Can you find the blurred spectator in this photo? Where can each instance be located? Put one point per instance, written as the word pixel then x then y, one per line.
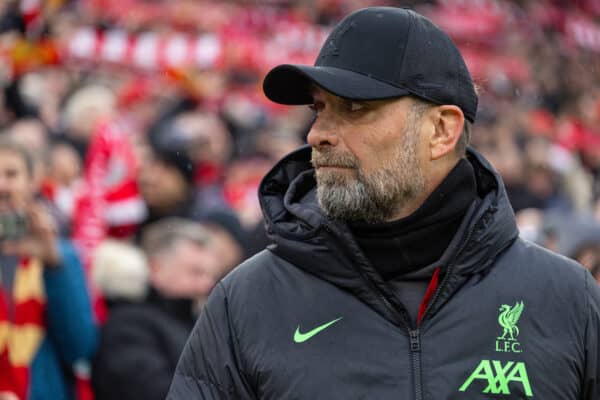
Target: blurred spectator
pixel 84 110
pixel 141 343
pixel 166 181
pixel 63 179
pixel 575 236
pixel 206 137
pixel 285 134
pixel 32 135
pixel 45 311
pixel 229 239
pixel 209 146
pixel 57 168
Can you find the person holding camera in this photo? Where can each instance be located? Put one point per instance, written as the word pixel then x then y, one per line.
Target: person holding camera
pixel 47 328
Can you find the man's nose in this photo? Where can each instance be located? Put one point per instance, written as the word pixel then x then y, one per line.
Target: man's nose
pixel 322 133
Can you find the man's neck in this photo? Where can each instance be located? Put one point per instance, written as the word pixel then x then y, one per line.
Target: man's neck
pixel 435 177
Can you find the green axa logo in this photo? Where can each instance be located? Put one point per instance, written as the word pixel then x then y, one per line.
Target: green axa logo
pixel 499 377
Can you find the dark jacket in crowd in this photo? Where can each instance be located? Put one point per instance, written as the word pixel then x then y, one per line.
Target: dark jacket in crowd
pixel 139 348
pixel 310 318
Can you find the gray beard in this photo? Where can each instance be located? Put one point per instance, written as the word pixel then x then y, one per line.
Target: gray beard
pixel 353 202
pixel 353 196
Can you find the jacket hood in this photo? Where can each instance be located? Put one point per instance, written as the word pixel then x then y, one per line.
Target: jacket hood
pixel 306 237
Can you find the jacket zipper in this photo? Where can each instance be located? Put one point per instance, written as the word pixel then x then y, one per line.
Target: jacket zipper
pixel 415 352
pixel 415 339
pixel 413 334
pixel 415 344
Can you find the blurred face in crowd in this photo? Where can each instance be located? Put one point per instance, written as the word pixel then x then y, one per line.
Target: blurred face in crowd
pixel 185 270
pixel 16 183
pixel 87 107
pixel 367 157
pixel 208 138
pixel 65 164
pixel 32 135
pixel 227 249
pixel 162 186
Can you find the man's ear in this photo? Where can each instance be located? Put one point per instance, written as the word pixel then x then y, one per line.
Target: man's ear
pixel 448 122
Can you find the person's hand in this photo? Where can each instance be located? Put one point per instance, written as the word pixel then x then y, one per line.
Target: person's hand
pixel 8 396
pixel 41 240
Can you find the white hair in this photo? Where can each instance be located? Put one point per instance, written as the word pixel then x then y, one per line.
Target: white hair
pixel 85 106
pixel 120 270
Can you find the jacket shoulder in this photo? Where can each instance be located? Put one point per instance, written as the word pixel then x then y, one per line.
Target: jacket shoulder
pixel 256 272
pixel 543 261
pixel 530 267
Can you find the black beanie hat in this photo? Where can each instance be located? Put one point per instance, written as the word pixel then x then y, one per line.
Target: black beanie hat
pixel 227 220
pixel 170 150
pixel 178 160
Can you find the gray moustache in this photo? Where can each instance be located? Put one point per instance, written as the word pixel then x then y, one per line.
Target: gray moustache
pixel 333 160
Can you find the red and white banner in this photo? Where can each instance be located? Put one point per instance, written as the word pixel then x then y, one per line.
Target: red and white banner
pixel 293 42
pixel 146 51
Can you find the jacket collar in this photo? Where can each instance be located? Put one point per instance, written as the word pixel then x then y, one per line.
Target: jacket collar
pixel 304 236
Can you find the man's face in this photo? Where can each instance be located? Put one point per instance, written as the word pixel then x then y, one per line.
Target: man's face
pixel 188 270
pixel 16 185
pixel 162 186
pixel 366 156
pixel 227 249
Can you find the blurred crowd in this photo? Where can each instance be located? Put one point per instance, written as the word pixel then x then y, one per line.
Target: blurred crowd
pixel 134 134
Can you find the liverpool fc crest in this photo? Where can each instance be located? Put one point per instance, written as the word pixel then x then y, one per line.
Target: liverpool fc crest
pixel 508 319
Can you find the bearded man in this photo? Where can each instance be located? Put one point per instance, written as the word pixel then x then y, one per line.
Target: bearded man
pixel 396 271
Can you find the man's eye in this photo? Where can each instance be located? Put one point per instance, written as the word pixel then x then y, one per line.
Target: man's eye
pixel 354 106
pixel 314 108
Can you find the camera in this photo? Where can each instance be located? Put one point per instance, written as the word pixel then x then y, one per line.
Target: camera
pixel 13 226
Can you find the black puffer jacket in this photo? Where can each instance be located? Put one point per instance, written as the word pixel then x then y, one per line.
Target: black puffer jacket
pixel 139 348
pixel 311 319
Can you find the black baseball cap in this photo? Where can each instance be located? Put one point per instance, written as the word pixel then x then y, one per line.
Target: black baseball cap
pixel 379 53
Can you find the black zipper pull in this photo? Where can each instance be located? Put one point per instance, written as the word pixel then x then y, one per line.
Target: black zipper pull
pixel 415 342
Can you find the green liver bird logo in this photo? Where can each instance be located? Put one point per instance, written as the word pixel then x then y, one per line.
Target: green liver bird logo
pixel 508 319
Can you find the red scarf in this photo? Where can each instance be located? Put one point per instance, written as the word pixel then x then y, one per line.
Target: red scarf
pixel 22 326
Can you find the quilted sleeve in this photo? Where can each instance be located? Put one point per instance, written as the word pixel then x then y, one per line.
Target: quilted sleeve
pixel 209 367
